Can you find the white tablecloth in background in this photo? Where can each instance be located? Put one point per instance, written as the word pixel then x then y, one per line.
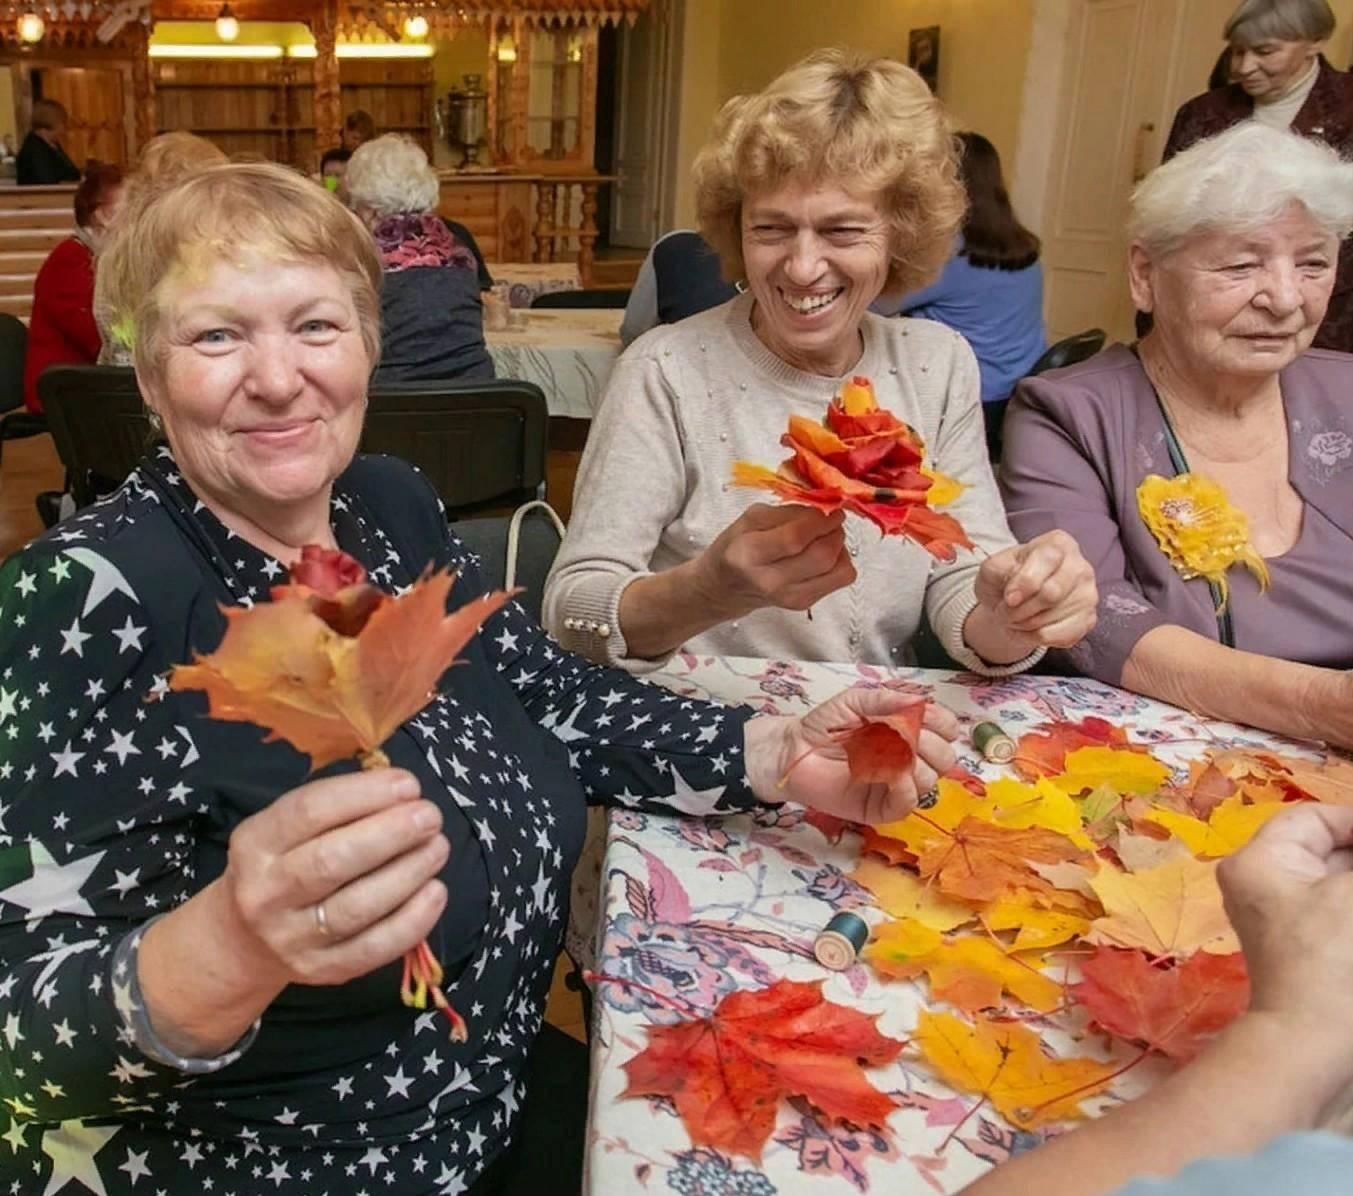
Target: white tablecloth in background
pixel 567 352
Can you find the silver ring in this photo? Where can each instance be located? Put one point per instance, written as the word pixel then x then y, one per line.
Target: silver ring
pixel 322 919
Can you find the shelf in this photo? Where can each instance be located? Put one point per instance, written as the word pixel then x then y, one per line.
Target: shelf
pixel 270 130
pixel 382 85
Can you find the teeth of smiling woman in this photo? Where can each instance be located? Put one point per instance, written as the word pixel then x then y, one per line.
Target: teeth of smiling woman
pixel 810 303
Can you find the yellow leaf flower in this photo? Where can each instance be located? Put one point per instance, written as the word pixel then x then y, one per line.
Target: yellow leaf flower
pixel 904 895
pixel 1127 772
pixel 1197 528
pixel 943 489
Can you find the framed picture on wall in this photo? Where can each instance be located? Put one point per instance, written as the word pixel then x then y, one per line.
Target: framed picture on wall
pixel 923 54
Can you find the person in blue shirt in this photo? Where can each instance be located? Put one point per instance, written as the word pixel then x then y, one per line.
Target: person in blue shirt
pixel 991 290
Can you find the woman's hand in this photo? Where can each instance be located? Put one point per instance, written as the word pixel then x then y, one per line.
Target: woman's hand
pixel 790 556
pixel 338 877
pixel 806 755
pixel 1036 595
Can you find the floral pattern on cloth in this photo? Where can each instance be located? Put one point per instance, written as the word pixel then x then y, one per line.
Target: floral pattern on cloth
pixel 696 908
pixel 409 239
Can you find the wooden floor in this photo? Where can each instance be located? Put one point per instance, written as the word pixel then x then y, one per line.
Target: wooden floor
pixel 31 465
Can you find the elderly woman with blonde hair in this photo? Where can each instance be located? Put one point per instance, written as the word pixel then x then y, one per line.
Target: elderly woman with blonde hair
pixel 1207 473
pixel 431 315
pixel 837 183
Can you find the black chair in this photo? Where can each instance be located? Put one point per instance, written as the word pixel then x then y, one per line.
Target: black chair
pixel 1073 349
pixel 592 298
pixel 481 444
pixel 16 421
pixel 537 545
pixel 99 425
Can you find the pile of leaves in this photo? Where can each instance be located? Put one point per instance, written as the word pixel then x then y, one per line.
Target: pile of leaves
pixel 1089 880
pixel 863 459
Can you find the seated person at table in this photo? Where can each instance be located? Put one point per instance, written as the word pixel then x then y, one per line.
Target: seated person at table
pixel 432 319
pixel 1269 1082
pixel 232 925
pixel 834 185
pixel 1208 473
pixel 680 276
pixel 332 167
pixel 61 330
pixel 358 129
pixel 991 290
pixel 42 159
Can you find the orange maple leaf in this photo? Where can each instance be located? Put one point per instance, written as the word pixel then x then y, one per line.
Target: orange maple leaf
pixel 331 695
pixel 1174 908
pixel 866 460
pixel 1004 1063
pixel 1173 1010
pixel 1043 751
pixel 727 1073
pixel 883 748
pixel 978 861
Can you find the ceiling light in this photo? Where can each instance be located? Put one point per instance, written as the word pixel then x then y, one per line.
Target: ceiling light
pixel 164 50
pixel 507 49
pixel 227 27
pixel 31 28
pixel 416 27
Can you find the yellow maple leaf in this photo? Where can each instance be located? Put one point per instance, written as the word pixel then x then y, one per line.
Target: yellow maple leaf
pixel 1231 825
pixel 1127 772
pixel 943 489
pixel 1172 909
pixel 1013 803
pixel 904 895
pixel 970 972
pixel 1004 1063
pixel 953 803
pixel 1038 928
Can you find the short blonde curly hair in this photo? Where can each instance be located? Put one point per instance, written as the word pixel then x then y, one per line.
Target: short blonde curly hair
pixel 869 125
pixel 227 213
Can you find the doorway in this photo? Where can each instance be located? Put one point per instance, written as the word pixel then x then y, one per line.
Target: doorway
pixel 93 97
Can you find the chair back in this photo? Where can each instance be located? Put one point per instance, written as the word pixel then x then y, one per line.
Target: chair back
pixel 535 547
pixel 1080 347
pixel 13 350
pixel 98 423
pixel 597 297
pixel 480 443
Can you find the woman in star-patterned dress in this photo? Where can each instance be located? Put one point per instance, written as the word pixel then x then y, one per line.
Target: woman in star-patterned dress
pixel 199 942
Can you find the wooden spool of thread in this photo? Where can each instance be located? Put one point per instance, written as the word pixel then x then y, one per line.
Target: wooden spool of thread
pixel 841 941
pixel 995 745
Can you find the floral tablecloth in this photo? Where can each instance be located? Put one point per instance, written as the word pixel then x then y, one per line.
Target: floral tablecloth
pixel 696 909
pixel 567 352
pixel 526 280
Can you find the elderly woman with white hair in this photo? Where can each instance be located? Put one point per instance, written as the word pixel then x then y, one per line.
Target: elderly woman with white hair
pixel 432 319
pixel 1207 472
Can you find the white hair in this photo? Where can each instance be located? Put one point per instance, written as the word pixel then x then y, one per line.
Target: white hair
pixel 1256 21
pixel 391 174
pixel 1239 181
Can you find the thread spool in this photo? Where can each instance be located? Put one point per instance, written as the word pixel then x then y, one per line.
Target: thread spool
pixel 993 743
pixel 840 942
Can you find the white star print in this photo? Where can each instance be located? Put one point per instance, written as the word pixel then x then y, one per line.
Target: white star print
pixel 72 1148
pixel 135 1166
pixel 129 637
pixel 27 584
pixel 53 888
pixel 107 578
pixel 66 760
pixel 73 639
pixel 399 1084
pixel 122 747
pixel 7 703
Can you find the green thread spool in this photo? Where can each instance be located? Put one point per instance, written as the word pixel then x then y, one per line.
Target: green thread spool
pixel 994 744
pixel 841 941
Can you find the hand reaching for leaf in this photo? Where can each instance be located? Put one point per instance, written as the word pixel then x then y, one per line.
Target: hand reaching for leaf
pixel 806 759
pixel 1036 595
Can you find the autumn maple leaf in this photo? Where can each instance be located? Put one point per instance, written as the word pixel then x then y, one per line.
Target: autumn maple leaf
pixel 283 666
pixel 728 1072
pixel 883 747
pixel 1042 752
pixel 865 460
pixel 1172 909
pixel 1173 1010
pixel 978 861
pixel 1004 1063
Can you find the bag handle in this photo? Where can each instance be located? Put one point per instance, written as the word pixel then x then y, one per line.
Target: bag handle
pixel 514 535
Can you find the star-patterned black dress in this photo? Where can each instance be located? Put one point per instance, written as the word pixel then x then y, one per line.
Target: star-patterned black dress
pixel 117 798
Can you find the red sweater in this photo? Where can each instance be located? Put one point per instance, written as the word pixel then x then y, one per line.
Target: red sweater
pixel 61 330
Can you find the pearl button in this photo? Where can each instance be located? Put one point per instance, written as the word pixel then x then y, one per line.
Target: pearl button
pixel 723 435
pixel 604 630
pixel 742 386
pixel 892 369
pixel 734 625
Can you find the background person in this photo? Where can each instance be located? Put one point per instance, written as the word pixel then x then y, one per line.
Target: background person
pixel 42 159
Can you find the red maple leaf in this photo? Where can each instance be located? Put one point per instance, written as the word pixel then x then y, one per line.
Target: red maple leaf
pixel 1173 1010
pixel 883 747
pixel 1042 752
pixel 728 1072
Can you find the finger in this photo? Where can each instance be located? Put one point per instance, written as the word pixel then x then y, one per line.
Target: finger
pixel 935 754
pixel 1299 847
pixel 379 944
pixel 323 865
pixel 801 595
pixel 794 538
pixel 873 702
pixel 1313 826
pixel 1040 563
pixel 943 721
pixel 312 809
pixel 888 803
pixel 361 902
pixel 1065 632
pixel 762 516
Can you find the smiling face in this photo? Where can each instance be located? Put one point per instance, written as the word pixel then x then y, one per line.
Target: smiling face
pixel 262 387
pixel 1267 70
pixel 816 257
pixel 1240 303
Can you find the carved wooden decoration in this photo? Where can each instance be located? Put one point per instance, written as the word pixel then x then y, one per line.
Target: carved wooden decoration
pixel 328 97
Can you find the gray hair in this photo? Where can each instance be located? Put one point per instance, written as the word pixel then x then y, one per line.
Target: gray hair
pixel 391 174
pixel 1256 21
pixel 1239 181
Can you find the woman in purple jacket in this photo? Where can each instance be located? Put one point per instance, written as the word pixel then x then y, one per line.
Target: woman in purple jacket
pixel 1207 472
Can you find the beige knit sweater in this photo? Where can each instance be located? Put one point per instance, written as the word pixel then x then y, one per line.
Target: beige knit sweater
pixel 687 400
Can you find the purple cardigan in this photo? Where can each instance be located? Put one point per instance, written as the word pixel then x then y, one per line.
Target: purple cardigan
pixel 1079 441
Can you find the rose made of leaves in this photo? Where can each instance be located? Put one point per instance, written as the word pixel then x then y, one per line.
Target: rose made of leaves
pixel 334 665
pixel 1197 528
pixel 864 459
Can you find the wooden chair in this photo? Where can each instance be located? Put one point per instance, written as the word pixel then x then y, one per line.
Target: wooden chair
pixel 587 298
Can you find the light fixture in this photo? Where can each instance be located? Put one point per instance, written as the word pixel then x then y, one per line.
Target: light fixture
pixel 416 27
pixel 227 27
pixel 507 48
pixel 365 50
pixel 575 48
pixel 165 50
pixel 31 28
